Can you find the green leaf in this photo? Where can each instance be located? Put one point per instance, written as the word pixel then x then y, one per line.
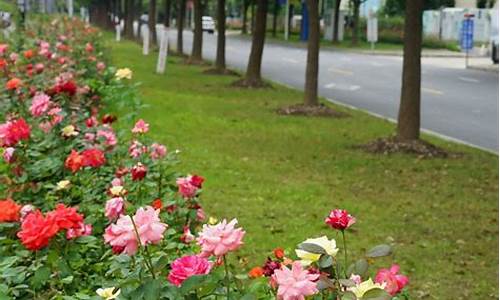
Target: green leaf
pixel 349 296
pixel 41 276
pixel 325 261
pixel 312 248
pixel 193 283
pixel 67 279
pixel 347 282
pixel 86 239
pixel 152 289
pixel 379 251
pixel 360 267
pixel 376 294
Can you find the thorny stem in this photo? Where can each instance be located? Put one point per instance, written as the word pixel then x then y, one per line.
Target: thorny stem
pixel 345 253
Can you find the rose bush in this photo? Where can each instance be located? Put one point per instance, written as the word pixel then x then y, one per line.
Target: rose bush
pixel 93 207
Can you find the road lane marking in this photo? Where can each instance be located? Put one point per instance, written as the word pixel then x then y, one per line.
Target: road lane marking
pixel 342 87
pixel 468 79
pixel 432 91
pixel 340 71
pixel 290 60
pixel 376 64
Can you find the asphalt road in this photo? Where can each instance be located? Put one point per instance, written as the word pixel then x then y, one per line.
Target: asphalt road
pixel 457 103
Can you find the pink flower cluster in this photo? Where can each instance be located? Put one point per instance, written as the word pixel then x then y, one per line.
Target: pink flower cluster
pixel 220 239
pixel 40 104
pixel 295 283
pixel 123 237
pixel 14 131
pixel 189 185
pixel 187 266
pixel 394 282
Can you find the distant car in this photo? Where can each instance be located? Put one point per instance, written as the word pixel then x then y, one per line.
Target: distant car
pixel 208 24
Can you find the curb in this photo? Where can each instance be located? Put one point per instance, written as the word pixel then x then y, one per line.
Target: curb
pixel 487 68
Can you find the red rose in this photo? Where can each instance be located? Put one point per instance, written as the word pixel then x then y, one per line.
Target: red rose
pixel 37 230
pixel 69 87
pixel 13 84
pixel 197 181
pixel 279 253
pixel 74 161
pixel 157 204
pixel 139 171
pixel 66 217
pixel 108 119
pixel 339 219
pixel 28 54
pixel 93 158
pixel 9 211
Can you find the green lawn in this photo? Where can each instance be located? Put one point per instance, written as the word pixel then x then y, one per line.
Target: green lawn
pixel 280 176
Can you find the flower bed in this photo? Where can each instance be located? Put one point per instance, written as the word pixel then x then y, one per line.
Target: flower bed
pixel 94 212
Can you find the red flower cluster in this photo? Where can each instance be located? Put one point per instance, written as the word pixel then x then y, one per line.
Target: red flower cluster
pixel 138 172
pixel 92 157
pixel 9 211
pixel 14 131
pixel 37 230
pixel 69 87
pixel 13 84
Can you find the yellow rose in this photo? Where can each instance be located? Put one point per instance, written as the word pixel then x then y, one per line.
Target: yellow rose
pixel 107 293
pixel 124 73
pixel 61 185
pixel 360 289
pixel 69 131
pixel 117 190
pixel 307 258
pixel 212 221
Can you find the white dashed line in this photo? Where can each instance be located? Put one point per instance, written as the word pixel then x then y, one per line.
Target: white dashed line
pixel 342 87
pixel 468 79
pixel 432 91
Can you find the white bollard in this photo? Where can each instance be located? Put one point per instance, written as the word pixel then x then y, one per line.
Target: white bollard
pixel 162 55
pixel 145 40
pixel 118 32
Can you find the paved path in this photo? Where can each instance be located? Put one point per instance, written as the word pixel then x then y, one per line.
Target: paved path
pixel 458 103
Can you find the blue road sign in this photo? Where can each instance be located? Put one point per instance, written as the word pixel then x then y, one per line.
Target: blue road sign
pixel 467 34
pixel 304 28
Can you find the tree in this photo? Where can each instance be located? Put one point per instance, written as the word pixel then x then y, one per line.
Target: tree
pixel 220 61
pixel 129 18
pixel 311 85
pixel 355 21
pixel 181 15
pixel 409 108
pixel 167 13
pixel 198 33
pixel 244 29
pixel 253 75
pixel 336 25
pixel 276 9
pixel 152 21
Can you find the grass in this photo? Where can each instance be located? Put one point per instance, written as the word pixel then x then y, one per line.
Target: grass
pixel 384 44
pixel 280 176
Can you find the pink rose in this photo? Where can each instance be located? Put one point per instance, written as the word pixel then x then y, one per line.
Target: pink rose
pixel 140 127
pixel 340 219
pixel 114 208
pixel 394 282
pixel 136 149
pixel 109 137
pixel 8 154
pixel 200 215
pixel 187 266
pixel 122 236
pixel 149 225
pixel 187 237
pixel 40 104
pixel 82 230
pixel 295 284
pixel 158 151
pixel 221 238
pixel 189 185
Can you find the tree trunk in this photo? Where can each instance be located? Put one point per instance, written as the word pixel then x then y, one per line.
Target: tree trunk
pixel 355 22
pixel 336 18
pixel 167 13
pixel 129 19
pixel 220 61
pixel 276 9
pixel 311 86
pixel 181 15
pixel 152 21
pixel 409 108
pixel 252 16
pixel 244 29
pixel 253 75
pixel 198 33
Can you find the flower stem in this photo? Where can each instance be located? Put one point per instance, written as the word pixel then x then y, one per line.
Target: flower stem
pixel 345 253
pixel 228 283
pixel 147 256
